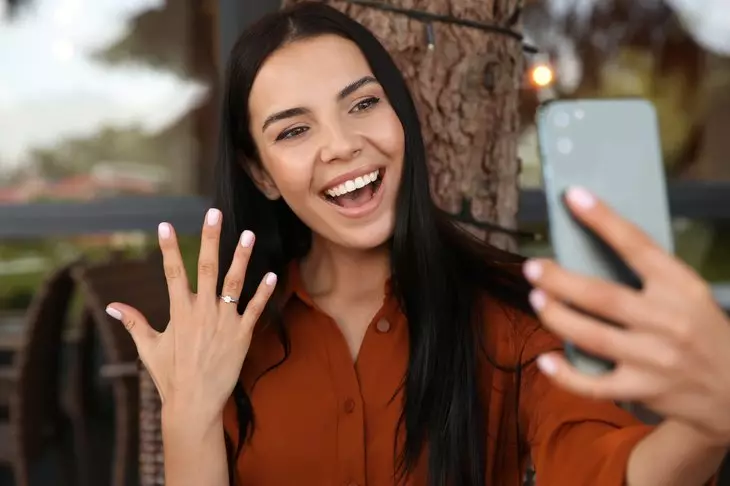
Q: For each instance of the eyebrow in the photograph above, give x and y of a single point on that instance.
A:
(344, 93)
(352, 87)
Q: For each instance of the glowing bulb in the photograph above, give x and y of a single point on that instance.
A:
(542, 76)
(63, 49)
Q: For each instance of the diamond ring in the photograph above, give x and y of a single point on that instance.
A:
(228, 299)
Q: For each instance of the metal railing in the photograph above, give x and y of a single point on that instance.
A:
(708, 201)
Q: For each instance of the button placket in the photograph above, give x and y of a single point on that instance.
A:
(351, 426)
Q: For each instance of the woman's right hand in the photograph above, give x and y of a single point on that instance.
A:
(196, 362)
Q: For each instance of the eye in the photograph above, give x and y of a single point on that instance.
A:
(291, 133)
(366, 104)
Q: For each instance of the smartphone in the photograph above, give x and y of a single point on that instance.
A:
(610, 147)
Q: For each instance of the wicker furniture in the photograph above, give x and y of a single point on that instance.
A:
(32, 382)
(141, 284)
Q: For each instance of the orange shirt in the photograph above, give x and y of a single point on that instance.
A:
(322, 420)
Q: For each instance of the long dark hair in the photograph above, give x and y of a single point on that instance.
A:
(438, 272)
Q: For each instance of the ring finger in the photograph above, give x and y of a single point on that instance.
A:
(233, 281)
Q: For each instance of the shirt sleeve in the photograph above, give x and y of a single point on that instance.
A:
(574, 441)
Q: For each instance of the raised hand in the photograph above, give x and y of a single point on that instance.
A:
(673, 351)
(196, 361)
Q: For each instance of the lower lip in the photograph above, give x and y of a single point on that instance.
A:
(367, 208)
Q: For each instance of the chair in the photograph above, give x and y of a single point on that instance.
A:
(141, 284)
(32, 381)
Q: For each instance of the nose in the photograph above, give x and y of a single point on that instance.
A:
(341, 143)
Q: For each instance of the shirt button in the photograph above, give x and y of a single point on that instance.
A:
(349, 405)
(383, 326)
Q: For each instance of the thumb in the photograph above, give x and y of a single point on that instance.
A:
(133, 320)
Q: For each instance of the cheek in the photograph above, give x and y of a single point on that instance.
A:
(292, 175)
(390, 137)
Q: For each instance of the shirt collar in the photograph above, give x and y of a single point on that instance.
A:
(294, 286)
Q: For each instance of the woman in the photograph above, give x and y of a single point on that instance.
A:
(395, 348)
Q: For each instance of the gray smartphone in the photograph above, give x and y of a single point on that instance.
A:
(610, 147)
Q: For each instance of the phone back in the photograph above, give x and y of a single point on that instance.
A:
(612, 148)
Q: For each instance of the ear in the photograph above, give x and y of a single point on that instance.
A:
(263, 181)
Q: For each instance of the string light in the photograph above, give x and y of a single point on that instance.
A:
(542, 75)
(428, 18)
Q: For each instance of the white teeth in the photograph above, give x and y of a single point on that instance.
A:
(353, 184)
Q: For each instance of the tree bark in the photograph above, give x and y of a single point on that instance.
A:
(466, 90)
(711, 157)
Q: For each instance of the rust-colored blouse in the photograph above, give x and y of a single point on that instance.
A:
(322, 420)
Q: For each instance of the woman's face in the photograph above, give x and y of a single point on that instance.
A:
(328, 139)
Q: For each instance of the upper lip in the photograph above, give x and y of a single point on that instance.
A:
(349, 176)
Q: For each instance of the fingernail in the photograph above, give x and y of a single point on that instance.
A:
(163, 229)
(114, 313)
(532, 269)
(270, 279)
(246, 239)
(537, 299)
(581, 197)
(547, 365)
(213, 216)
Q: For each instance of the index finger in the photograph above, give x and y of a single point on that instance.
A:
(631, 243)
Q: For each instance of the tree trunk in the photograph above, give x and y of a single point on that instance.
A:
(711, 158)
(466, 90)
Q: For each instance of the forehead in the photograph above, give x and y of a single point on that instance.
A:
(306, 70)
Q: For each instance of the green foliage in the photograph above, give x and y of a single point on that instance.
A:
(75, 156)
(716, 266)
(704, 247)
(18, 288)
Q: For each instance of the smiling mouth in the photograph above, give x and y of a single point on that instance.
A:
(355, 192)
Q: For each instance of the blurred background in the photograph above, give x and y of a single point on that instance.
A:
(108, 116)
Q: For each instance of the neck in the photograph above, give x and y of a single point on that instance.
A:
(331, 270)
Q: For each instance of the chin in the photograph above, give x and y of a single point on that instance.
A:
(365, 238)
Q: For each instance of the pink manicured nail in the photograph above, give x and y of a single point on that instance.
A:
(270, 278)
(532, 269)
(163, 230)
(246, 239)
(547, 365)
(213, 216)
(581, 197)
(114, 313)
(537, 299)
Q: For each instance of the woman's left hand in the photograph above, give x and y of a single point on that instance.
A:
(672, 353)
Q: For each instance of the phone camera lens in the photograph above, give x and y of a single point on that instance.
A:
(565, 146)
(562, 119)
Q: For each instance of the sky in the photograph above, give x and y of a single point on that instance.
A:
(50, 88)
